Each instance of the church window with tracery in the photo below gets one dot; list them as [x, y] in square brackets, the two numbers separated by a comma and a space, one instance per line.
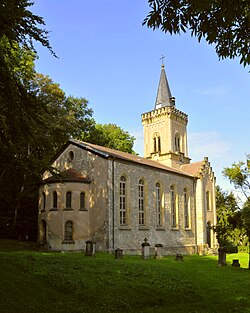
[141, 202]
[123, 204]
[173, 208]
[158, 204]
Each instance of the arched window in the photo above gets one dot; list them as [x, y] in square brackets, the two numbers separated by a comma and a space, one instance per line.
[157, 143]
[177, 142]
[68, 231]
[186, 209]
[68, 200]
[82, 201]
[43, 206]
[123, 204]
[173, 208]
[208, 201]
[158, 204]
[141, 202]
[54, 200]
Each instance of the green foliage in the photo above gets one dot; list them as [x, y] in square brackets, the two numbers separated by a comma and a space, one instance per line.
[64, 282]
[111, 136]
[239, 175]
[229, 227]
[20, 25]
[225, 24]
[36, 119]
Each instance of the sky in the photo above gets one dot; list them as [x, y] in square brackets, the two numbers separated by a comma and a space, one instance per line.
[106, 56]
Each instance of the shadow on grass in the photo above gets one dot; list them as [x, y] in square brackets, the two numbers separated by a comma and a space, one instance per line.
[33, 281]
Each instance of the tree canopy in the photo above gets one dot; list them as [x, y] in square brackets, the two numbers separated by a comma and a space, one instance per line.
[225, 24]
[239, 176]
[111, 136]
[229, 227]
[20, 25]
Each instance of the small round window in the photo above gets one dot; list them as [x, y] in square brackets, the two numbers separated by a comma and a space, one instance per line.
[71, 156]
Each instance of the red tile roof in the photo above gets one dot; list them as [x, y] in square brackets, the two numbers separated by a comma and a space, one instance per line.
[107, 152]
[69, 175]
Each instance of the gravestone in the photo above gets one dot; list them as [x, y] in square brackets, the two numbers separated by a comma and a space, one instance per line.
[158, 251]
[179, 257]
[222, 256]
[145, 249]
[118, 254]
[236, 263]
[90, 248]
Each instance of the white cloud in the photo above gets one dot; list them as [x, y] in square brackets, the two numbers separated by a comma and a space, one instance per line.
[208, 144]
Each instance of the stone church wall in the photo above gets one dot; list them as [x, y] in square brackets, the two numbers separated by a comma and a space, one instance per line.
[130, 237]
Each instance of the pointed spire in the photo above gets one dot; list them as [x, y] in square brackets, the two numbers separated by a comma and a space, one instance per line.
[164, 97]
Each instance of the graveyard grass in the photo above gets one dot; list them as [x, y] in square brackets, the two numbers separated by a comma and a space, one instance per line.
[36, 281]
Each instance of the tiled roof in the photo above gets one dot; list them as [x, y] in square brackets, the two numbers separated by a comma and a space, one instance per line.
[69, 175]
[107, 152]
[193, 168]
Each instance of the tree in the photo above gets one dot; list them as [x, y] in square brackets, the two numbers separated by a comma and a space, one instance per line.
[229, 227]
[111, 136]
[20, 25]
[226, 24]
[239, 176]
[34, 124]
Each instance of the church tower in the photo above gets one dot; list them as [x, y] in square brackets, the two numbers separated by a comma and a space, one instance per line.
[165, 129]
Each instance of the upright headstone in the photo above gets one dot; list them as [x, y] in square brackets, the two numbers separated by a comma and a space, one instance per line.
[158, 251]
[179, 257]
[236, 263]
[90, 248]
[118, 253]
[145, 249]
[222, 256]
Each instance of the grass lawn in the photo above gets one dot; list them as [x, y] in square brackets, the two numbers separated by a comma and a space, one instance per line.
[34, 281]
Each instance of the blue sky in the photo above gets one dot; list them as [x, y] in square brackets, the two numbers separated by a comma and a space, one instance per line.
[108, 57]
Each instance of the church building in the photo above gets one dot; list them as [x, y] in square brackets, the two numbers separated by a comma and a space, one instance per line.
[117, 199]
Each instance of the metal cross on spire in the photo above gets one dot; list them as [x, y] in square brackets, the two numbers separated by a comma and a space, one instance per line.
[162, 57]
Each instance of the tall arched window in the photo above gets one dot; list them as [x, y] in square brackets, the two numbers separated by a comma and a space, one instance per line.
[173, 208]
[68, 231]
[157, 143]
[141, 202]
[54, 200]
[186, 210]
[208, 201]
[158, 204]
[68, 200]
[82, 201]
[177, 142]
[123, 204]
[43, 206]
